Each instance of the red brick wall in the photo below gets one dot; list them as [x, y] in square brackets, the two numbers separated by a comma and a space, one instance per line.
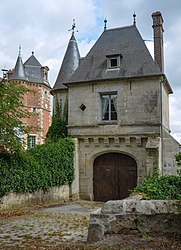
[38, 103]
[158, 39]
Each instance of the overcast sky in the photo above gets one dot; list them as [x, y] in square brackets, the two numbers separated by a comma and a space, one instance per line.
[42, 26]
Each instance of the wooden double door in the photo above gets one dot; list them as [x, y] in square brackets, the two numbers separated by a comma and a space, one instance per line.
[114, 174]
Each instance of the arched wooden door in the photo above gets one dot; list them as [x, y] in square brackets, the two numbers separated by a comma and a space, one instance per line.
[114, 174]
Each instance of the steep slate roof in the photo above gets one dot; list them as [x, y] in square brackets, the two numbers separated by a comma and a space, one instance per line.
[19, 71]
[69, 64]
[127, 41]
[34, 70]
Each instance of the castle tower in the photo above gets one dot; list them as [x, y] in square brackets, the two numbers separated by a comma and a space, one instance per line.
[35, 77]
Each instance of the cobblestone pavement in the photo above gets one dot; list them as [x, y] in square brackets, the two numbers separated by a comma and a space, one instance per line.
[50, 226]
[65, 227]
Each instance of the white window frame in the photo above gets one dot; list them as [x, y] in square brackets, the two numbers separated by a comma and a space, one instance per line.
[31, 141]
[109, 95]
[113, 57]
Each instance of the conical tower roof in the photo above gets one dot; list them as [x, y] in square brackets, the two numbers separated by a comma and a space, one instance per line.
[69, 64]
[19, 71]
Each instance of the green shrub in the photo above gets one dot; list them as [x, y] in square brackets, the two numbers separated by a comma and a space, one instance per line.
[43, 167]
[161, 187]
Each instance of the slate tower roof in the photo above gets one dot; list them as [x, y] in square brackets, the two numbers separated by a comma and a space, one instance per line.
[31, 71]
[69, 64]
[34, 70]
[127, 43]
[19, 71]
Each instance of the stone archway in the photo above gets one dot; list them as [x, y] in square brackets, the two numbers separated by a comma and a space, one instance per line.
[114, 174]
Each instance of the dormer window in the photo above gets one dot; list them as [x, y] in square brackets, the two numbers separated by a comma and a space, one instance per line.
[113, 61]
[45, 70]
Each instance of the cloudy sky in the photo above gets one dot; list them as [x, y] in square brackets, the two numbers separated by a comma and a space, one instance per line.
[42, 26]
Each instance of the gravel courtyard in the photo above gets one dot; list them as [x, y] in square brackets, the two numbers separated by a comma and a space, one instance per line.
[65, 226]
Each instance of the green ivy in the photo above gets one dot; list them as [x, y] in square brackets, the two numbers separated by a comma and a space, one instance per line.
[43, 167]
[58, 128]
[161, 187]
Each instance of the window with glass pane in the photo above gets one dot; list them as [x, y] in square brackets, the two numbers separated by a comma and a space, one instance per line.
[109, 107]
[113, 62]
[31, 141]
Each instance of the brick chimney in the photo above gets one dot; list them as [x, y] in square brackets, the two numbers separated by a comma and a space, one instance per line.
[158, 39]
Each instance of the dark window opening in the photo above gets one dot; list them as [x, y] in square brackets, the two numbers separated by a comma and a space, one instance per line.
[46, 94]
[82, 107]
[114, 62]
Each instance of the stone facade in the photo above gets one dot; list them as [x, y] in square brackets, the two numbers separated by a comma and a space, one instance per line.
[170, 148]
[136, 132]
[118, 100]
[138, 106]
[90, 149]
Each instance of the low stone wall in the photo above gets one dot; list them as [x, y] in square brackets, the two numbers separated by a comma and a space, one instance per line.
[38, 197]
[134, 215]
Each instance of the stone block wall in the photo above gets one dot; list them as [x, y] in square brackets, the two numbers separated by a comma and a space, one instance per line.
[133, 215]
[170, 148]
[54, 194]
[138, 104]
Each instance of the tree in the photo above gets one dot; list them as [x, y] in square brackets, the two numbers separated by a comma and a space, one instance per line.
[12, 111]
[58, 128]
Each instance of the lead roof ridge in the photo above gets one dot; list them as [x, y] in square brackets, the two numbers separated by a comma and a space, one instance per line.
[118, 28]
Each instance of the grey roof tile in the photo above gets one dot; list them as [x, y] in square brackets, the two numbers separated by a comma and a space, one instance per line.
[126, 41]
[19, 71]
[34, 70]
[32, 61]
[69, 64]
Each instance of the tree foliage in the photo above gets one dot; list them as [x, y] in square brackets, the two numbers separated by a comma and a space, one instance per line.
[12, 110]
[58, 128]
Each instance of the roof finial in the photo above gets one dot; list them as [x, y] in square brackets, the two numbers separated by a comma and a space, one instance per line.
[134, 19]
[32, 52]
[105, 22]
[19, 50]
[73, 27]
